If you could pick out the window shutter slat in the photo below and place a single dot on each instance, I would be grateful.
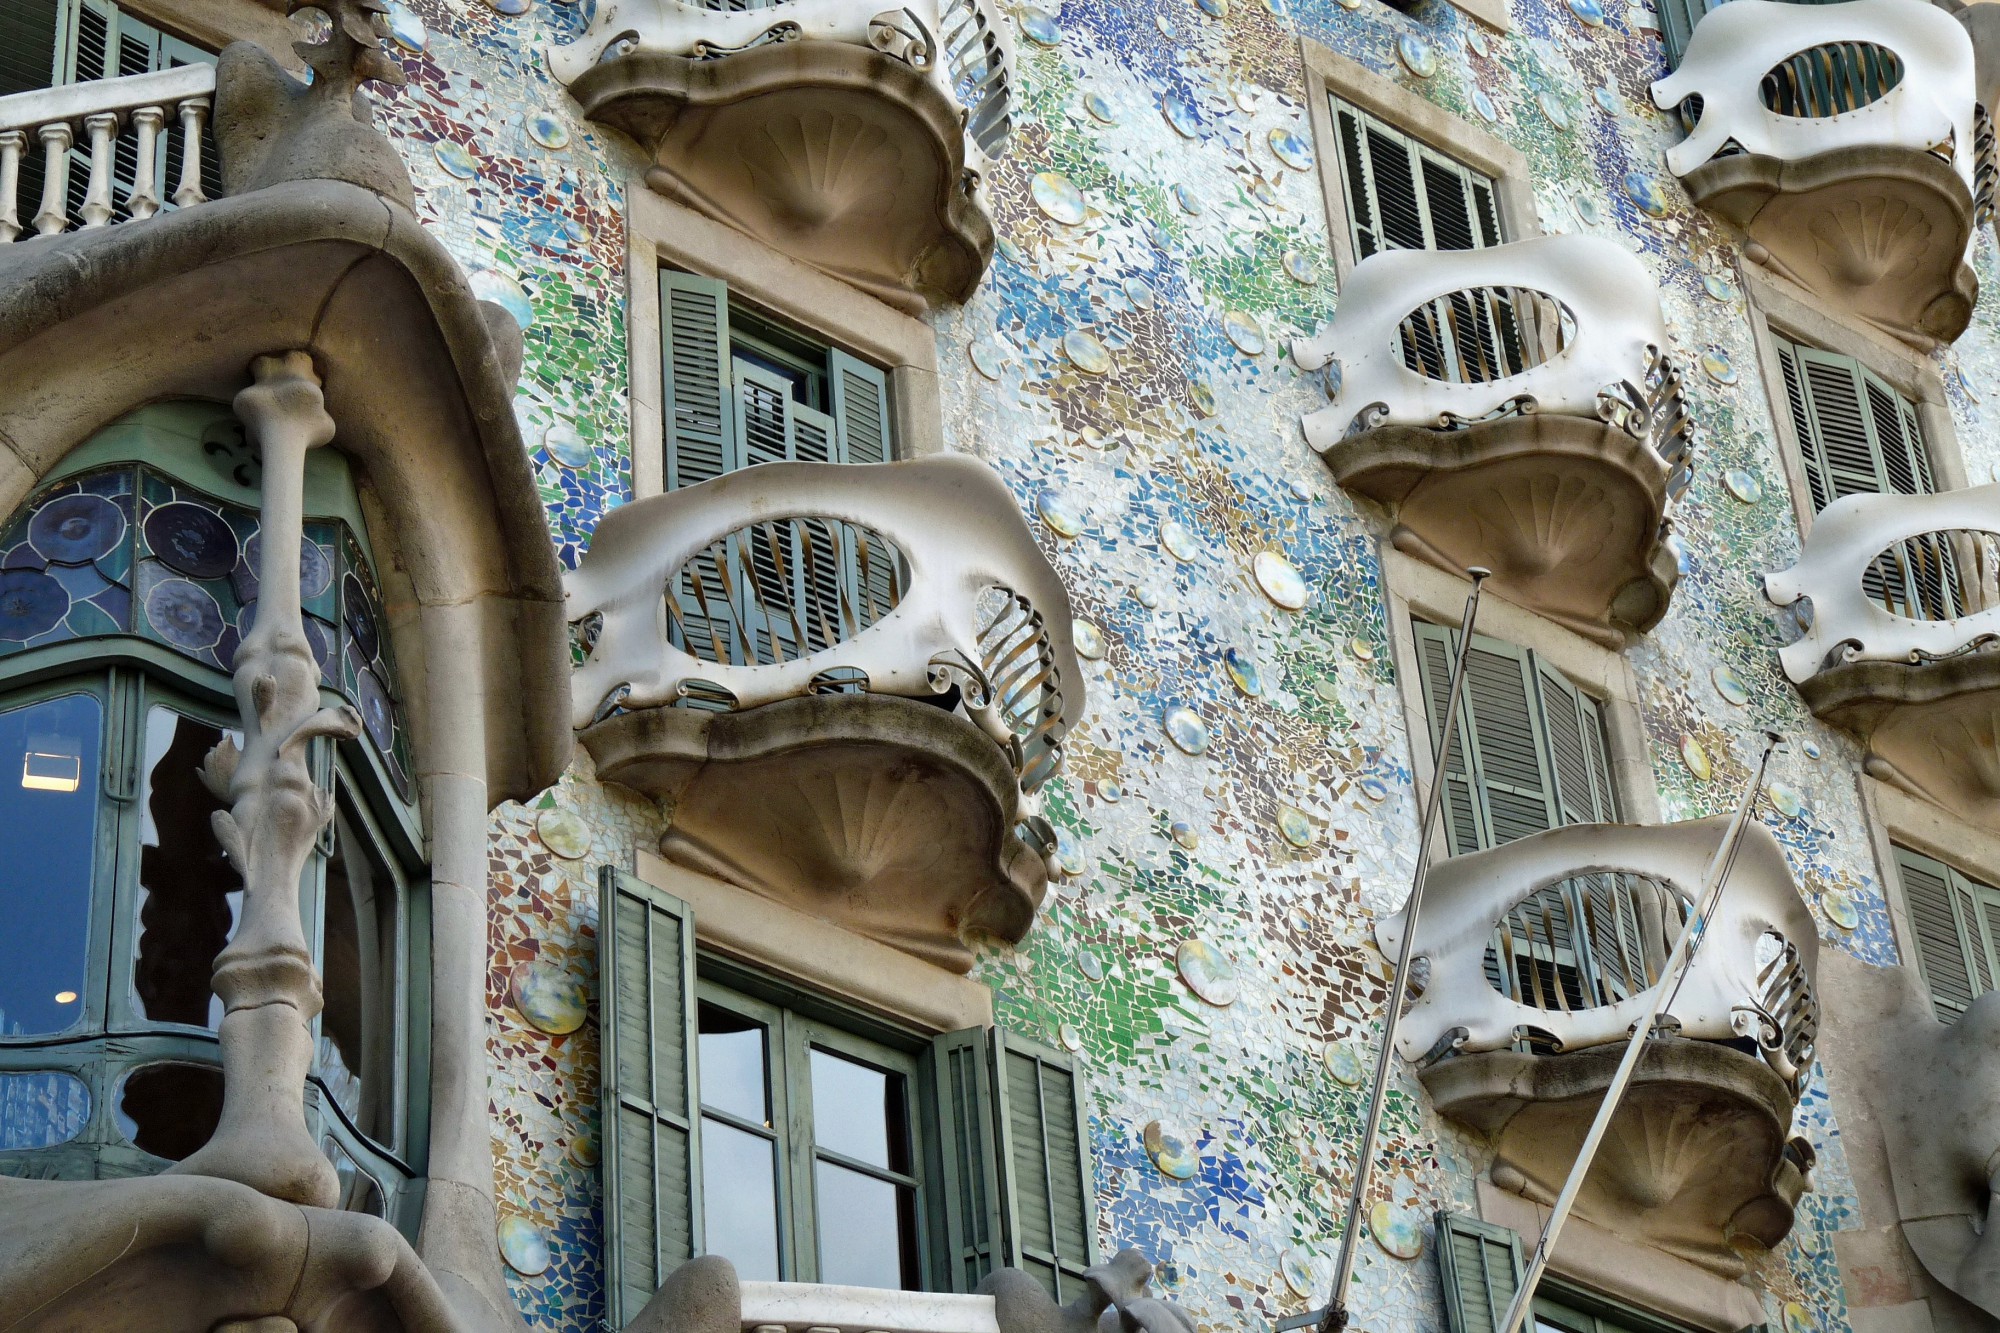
(861, 407)
(1506, 751)
(27, 45)
(1845, 435)
(1448, 197)
(1941, 944)
(650, 1138)
(1354, 179)
(1802, 425)
(1461, 814)
(1576, 789)
(963, 1086)
(1480, 1264)
(695, 378)
(1049, 1200)
(1392, 169)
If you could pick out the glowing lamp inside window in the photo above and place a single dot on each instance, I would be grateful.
(51, 766)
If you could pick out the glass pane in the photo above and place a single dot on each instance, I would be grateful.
(867, 1230)
(355, 1057)
(858, 1111)
(45, 897)
(358, 1191)
(739, 1198)
(170, 1109)
(189, 896)
(732, 1065)
(40, 1110)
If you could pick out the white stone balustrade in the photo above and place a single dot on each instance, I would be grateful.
(1734, 47)
(1936, 556)
(50, 122)
(963, 46)
(1582, 975)
(810, 1307)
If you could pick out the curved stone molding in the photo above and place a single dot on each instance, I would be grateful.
(1567, 468)
(1873, 206)
(852, 138)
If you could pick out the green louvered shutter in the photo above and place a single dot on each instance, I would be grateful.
(695, 380)
(650, 1138)
(28, 31)
(1048, 1221)
(961, 1071)
(1956, 921)
(1506, 728)
(1480, 1265)
(1575, 727)
(861, 406)
(1463, 824)
(787, 573)
(1402, 195)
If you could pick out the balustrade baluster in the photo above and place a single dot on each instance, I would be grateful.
(194, 117)
(54, 214)
(12, 142)
(144, 200)
(96, 211)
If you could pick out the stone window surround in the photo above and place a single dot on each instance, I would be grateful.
(661, 233)
(1412, 588)
(1777, 305)
(1327, 72)
(216, 23)
(779, 939)
(1896, 818)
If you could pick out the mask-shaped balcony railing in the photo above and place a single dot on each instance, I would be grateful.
(1527, 385)
(850, 136)
(792, 583)
(1845, 139)
(1900, 599)
(1541, 955)
(117, 133)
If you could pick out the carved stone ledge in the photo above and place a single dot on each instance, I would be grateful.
(891, 816)
(1882, 230)
(1695, 1162)
(1566, 511)
(843, 157)
(1931, 728)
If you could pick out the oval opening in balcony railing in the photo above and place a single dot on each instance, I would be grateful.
(1845, 139)
(1481, 334)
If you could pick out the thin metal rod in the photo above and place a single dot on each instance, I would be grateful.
(1692, 932)
(1334, 1316)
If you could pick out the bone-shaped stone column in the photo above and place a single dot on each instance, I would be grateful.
(265, 978)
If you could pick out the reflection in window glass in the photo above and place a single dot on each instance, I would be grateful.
(358, 958)
(48, 783)
(740, 1207)
(858, 1112)
(867, 1229)
(41, 1109)
(170, 1110)
(190, 897)
(732, 1066)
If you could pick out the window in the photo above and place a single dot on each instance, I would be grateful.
(1678, 17)
(124, 589)
(1956, 921)
(845, 1149)
(1529, 752)
(1481, 1267)
(1404, 195)
(53, 43)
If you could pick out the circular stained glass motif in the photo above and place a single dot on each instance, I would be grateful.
(1840, 909)
(1087, 639)
(1180, 114)
(1185, 729)
(360, 617)
(1057, 197)
(986, 357)
(1244, 331)
(1482, 102)
(548, 130)
(185, 615)
(1091, 966)
(31, 603)
(566, 447)
(1207, 973)
(1183, 833)
(1299, 268)
(1718, 366)
(1100, 108)
(315, 570)
(1552, 107)
(548, 997)
(522, 1244)
(1291, 148)
(456, 159)
(1417, 55)
(1041, 29)
(1344, 1063)
(564, 833)
(1086, 353)
(76, 529)
(317, 636)
(378, 715)
(1646, 194)
(1170, 1151)
(1295, 827)
(1786, 801)
(1730, 685)
(1243, 673)
(1696, 758)
(1139, 292)
(192, 540)
(1396, 1230)
(406, 28)
(1590, 11)
(1280, 580)
(1186, 200)
(1071, 1039)
(1179, 542)
(1060, 513)
(1718, 287)
(503, 291)
(1743, 484)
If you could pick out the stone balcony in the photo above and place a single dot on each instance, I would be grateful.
(851, 137)
(1541, 955)
(1900, 595)
(1847, 140)
(1516, 408)
(852, 692)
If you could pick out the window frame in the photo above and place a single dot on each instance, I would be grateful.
(1896, 819)
(1431, 128)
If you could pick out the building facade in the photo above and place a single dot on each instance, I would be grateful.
(843, 743)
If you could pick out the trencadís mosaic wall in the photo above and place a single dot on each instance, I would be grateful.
(1238, 803)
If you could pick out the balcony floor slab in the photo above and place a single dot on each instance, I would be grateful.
(1931, 728)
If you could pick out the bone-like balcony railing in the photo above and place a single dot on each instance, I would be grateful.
(1792, 81)
(961, 45)
(1551, 944)
(121, 130)
(1895, 578)
(1446, 338)
(789, 579)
